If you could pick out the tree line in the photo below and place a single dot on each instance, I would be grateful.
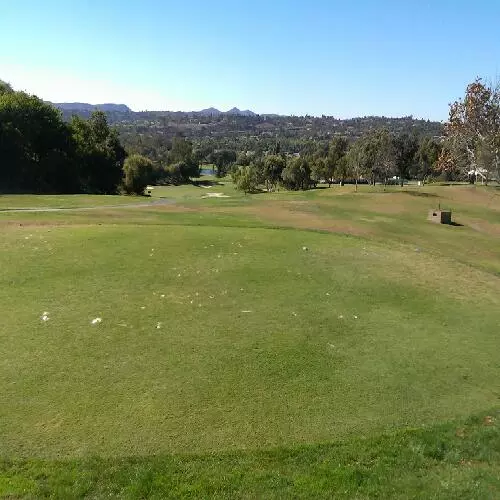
(152, 137)
(379, 156)
(468, 150)
(40, 151)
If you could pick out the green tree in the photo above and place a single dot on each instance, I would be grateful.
(356, 160)
(380, 154)
(201, 153)
(99, 154)
(335, 164)
(342, 170)
(174, 174)
(426, 157)
(181, 150)
(181, 172)
(272, 169)
(243, 159)
(405, 147)
(297, 174)
(138, 173)
(36, 149)
(5, 88)
(371, 156)
(246, 178)
(223, 159)
(319, 169)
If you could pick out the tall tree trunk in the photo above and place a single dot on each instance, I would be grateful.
(356, 189)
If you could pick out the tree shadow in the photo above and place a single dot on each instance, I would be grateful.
(420, 194)
(206, 183)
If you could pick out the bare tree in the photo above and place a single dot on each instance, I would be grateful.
(473, 130)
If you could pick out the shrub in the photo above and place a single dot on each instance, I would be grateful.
(138, 172)
(246, 179)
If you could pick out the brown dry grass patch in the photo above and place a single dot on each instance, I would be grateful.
(393, 203)
(473, 195)
(16, 223)
(482, 226)
(297, 215)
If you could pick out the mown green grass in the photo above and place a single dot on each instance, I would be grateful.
(20, 201)
(290, 371)
(262, 345)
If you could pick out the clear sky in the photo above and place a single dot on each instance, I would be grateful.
(343, 58)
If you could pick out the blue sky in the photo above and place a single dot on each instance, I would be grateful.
(341, 58)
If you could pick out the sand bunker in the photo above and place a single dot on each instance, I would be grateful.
(215, 195)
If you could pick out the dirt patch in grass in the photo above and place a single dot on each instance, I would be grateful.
(13, 224)
(473, 195)
(391, 203)
(482, 226)
(442, 275)
(293, 214)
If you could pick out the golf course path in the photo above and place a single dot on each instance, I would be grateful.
(162, 201)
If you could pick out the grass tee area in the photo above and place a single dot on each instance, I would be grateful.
(318, 344)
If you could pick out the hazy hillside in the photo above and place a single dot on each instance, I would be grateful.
(245, 130)
(84, 107)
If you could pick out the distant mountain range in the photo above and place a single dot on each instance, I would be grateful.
(83, 107)
(232, 111)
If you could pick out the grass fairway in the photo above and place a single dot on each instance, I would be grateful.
(263, 334)
(29, 201)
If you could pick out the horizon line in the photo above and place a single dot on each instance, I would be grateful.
(394, 117)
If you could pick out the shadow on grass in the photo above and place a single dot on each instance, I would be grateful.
(206, 183)
(420, 194)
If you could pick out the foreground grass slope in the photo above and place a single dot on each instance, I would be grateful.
(458, 459)
(229, 325)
